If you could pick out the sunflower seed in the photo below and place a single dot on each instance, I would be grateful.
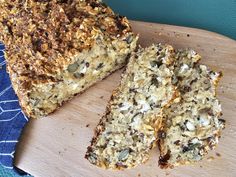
(99, 66)
(156, 63)
(123, 154)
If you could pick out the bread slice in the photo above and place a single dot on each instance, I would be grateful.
(191, 125)
(128, 130)
(56, 49)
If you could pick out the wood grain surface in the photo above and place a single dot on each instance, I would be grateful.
(55, 145)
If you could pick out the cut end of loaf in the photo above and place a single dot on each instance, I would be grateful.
(56, 49)
(84, 70)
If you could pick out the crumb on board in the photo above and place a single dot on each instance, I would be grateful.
(218, 154)
(200, 166)
(87, 125)
(139, 175)
(210, 158)
(101, 97)
(188, 35)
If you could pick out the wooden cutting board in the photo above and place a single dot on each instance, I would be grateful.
(55, 146)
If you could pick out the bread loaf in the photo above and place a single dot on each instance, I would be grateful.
(57, 49)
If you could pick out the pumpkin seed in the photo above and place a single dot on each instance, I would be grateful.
(162, 55)
(99, 66)
(78, 75)
(73, 67)
(156, 63)
(92, 158)
(129, 39)
(193, 146)
(123, 154)
(174, 80)
(155, 82)
(36, 102)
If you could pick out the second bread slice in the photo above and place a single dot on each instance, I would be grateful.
(191, 125)
(127, 131)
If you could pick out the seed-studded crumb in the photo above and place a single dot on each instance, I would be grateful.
(56, 49)
(191, 124)
(128, 130)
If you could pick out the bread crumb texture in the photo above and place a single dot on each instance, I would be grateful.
(128, 130)
(191, 124)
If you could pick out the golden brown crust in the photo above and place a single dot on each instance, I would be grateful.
(41, 37)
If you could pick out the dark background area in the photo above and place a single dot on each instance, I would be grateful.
(213, 15)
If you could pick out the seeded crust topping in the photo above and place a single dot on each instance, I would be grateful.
(191, 125)
(128, 130)
(56, 49)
